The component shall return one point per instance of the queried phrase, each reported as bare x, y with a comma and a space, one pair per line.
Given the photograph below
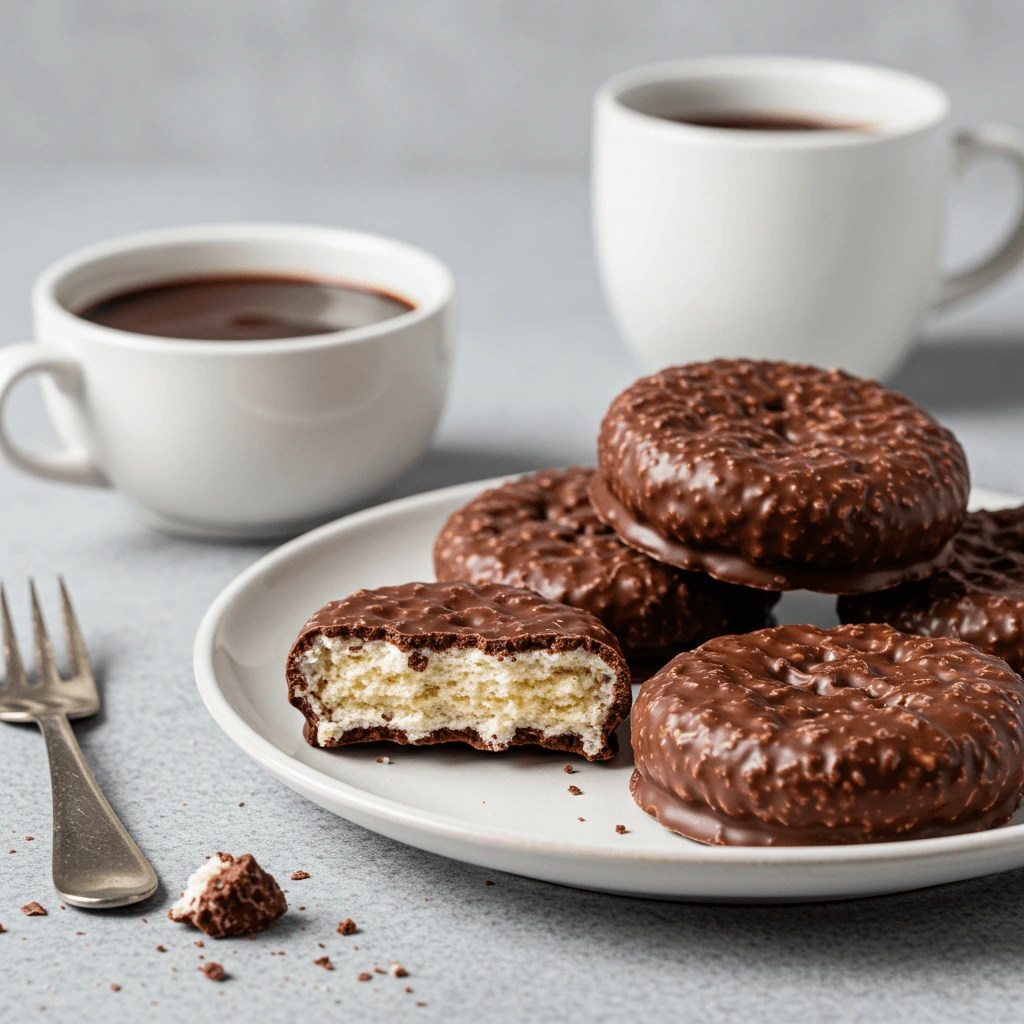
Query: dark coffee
245, 307
771, 121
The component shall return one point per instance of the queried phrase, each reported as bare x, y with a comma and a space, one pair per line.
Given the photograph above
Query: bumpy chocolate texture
240, 899
799, 736
542, 533
495, 619
978, 598
780, 476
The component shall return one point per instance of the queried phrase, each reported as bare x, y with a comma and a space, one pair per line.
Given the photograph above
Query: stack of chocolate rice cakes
721, 485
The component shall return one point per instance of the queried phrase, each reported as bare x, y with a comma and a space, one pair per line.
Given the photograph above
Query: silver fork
96, 864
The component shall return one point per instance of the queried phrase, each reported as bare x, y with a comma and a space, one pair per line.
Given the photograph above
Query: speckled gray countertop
538, 361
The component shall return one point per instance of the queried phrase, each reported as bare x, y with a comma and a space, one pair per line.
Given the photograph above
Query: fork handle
96, 864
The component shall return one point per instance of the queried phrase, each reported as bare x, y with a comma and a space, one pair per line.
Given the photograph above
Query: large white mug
817, 246
242, 438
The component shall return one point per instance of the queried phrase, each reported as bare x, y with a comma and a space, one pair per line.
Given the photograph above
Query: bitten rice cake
488, 665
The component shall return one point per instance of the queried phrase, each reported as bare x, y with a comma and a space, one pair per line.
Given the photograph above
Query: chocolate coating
780, 476
979, 598
541, 533
242, 899
493, 618
800, 736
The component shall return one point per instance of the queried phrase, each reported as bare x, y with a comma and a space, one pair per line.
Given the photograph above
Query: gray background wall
421, 84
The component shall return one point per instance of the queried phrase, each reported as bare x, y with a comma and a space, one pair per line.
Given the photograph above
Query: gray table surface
538, 362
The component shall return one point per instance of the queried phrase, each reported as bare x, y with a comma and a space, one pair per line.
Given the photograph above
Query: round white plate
512, 811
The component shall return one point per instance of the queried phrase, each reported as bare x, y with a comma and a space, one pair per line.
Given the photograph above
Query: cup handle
73, 465
968, 145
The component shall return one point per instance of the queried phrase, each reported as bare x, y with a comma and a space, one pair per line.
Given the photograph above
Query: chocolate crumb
347, 927
241, 899
321, 945
200, 943
79, 933
568, 769
213, 970
143, 920
2, 929
114, 987
379, 970
407, 989
298, 876
12, 851
581, 819
383, 760
575, 790
161, 949
398, 970
363, 976
324, 962
420, 1004
488, 882
30, 839
621, 829
302, 908
241, 803
33, 909
62, 907
251, 938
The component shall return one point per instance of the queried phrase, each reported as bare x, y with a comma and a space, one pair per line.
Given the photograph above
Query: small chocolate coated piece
230, 896
541, 532
799, 736
780, 477
978, 598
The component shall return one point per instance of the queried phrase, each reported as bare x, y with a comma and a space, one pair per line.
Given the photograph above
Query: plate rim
309, 778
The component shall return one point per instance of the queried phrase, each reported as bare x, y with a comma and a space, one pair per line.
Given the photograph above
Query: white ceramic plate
512, 812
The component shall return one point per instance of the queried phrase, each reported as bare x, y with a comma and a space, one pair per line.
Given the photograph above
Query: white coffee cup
243, 438
811, 246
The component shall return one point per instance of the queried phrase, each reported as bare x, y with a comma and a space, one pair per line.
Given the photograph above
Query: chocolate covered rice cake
489, 665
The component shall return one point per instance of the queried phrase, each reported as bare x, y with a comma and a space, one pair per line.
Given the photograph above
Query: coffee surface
771, 121
244, 307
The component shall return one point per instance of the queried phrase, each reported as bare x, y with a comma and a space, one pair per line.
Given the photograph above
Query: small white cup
236, 439
811, 246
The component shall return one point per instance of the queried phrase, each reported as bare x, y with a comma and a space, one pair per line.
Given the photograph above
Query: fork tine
46, 664
16, 678
78, 656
